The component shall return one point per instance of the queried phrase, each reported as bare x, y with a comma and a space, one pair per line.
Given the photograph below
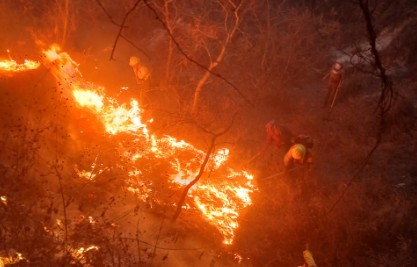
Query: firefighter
334, 82
276, 135
141, 72
308, 259
298, 154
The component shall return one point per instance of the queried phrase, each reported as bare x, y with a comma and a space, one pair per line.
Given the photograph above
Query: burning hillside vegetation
219, 196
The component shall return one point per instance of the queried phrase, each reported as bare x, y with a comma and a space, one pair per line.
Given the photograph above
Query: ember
219, 199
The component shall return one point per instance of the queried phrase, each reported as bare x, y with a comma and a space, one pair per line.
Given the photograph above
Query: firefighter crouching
299, 153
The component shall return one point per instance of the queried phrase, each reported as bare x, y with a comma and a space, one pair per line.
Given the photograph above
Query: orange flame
219, 199
10, 65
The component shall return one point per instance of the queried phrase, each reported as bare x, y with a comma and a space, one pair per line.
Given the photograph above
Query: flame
10, 65
87, 98
12, 259
83, 250
79, 254
219, 199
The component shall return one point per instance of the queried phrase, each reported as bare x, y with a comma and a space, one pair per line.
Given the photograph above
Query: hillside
95, 159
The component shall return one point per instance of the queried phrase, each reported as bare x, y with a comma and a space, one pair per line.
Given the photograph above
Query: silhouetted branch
118, 25
122, 26
385, 100
134, 45
189, 58
387, 93
202, 167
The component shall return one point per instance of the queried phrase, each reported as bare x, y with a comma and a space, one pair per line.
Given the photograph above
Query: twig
280, 173
122, 27
158, 247
134, 45
121, 34
108, 14
158, 236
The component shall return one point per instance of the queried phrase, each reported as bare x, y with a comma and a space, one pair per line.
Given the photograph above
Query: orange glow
10, 65
87, 98
78, 254
219, 198
3, 199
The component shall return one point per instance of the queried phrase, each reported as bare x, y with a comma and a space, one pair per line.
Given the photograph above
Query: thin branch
158, 236
122, 27
189, 58
385, 100
158, 247
387, 92
202, 167
222, 52
134, 45
121, 34
108, 14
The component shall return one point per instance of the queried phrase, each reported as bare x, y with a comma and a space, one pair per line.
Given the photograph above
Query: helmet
298, 151
133, 61
338, 66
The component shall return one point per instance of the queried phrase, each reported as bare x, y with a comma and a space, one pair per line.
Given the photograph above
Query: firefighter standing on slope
142, 74
334, 82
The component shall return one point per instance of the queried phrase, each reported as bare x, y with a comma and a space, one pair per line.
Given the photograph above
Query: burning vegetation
219, 198
10, 65
130, 132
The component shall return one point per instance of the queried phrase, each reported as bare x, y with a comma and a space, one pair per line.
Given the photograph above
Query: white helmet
133, 61
338, 66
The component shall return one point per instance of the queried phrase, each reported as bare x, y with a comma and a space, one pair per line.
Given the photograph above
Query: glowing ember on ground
79, 254
219, 198
83, 250
3, 199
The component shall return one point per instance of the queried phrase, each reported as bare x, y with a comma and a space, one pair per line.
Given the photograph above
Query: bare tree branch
122, 27
121, 34
202, 167
385, 100
189, 58
108, 14
220, 56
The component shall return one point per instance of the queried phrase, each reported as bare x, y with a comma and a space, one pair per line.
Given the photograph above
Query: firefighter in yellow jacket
298, 154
